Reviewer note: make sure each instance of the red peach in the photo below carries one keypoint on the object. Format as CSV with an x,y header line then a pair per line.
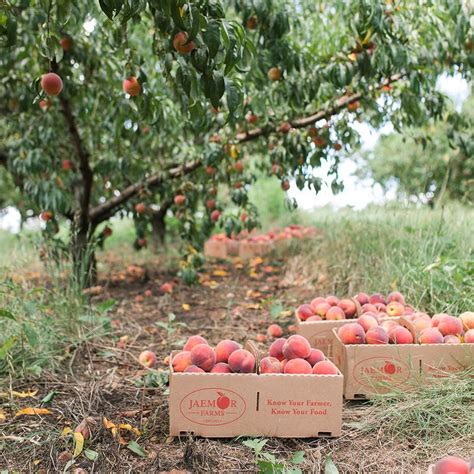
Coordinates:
x,y
298,366
321,309
203,356
325,367
261,338
131,86
396,296
387,325
332,300
395,309
430,336
467,320
315,356
419,314
296,347
275,330
316,301
436,319
179,199
352,333
451,465
140,208
450,339
270,365
194,369
221,368
369,308
409,309
348,306
147,358
362,298
181,45
181,360
283,363
304,312
225,348
421,323
367,321
215,215
376,298
381,307
242,361
335,313
51,83
314,318
376,335
193,341
469,336
450,325
400,335
274,74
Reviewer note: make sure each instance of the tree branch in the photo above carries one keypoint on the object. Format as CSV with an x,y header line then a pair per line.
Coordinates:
x,y
104,211
311,119
107,209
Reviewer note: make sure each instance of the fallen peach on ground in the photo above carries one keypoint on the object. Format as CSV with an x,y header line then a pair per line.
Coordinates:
x,y
451,465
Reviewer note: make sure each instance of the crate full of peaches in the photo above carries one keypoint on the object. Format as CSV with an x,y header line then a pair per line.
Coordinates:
x,y
229,390
317,319
377,355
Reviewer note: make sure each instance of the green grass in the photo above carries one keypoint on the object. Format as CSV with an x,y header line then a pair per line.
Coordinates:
x,y
430,416
37,324
426,254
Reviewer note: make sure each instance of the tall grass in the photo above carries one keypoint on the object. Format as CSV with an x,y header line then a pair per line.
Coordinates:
x,y
426,254
40,327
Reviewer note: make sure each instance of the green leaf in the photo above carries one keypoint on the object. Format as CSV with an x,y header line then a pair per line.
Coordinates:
x,y
234,97
91,455
298,457
4,313
7,345
49,397
136,448
31,334
105,306
212,37
330,467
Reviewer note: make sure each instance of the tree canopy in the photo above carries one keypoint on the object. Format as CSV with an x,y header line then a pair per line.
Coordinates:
x,y
218,92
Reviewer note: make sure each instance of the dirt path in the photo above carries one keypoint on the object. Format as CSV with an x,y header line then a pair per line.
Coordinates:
x,y
235,300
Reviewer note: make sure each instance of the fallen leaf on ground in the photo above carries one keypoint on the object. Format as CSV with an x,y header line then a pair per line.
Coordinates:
x,y
93,290
78,444
3,417
256,261
220,273
30,393
33,411
186,307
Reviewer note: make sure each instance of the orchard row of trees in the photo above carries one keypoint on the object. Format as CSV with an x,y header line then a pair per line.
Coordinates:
x,y
178,105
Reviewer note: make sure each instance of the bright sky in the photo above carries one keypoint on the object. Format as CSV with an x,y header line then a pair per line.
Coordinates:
x,y
357,193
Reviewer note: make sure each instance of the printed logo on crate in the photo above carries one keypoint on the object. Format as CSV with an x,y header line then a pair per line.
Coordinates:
x,y
212,406
373,370
322,338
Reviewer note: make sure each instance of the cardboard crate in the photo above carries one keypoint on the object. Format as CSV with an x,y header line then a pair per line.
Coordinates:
x,y
370,369
320,333
277,405
215,249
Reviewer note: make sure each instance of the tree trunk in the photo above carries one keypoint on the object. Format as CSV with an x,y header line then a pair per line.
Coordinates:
x,y
83,254
158,225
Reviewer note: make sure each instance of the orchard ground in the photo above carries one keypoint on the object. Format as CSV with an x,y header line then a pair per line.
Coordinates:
x,y
85,350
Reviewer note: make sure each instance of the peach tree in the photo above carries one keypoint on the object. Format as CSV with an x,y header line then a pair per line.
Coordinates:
x,y
143,107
